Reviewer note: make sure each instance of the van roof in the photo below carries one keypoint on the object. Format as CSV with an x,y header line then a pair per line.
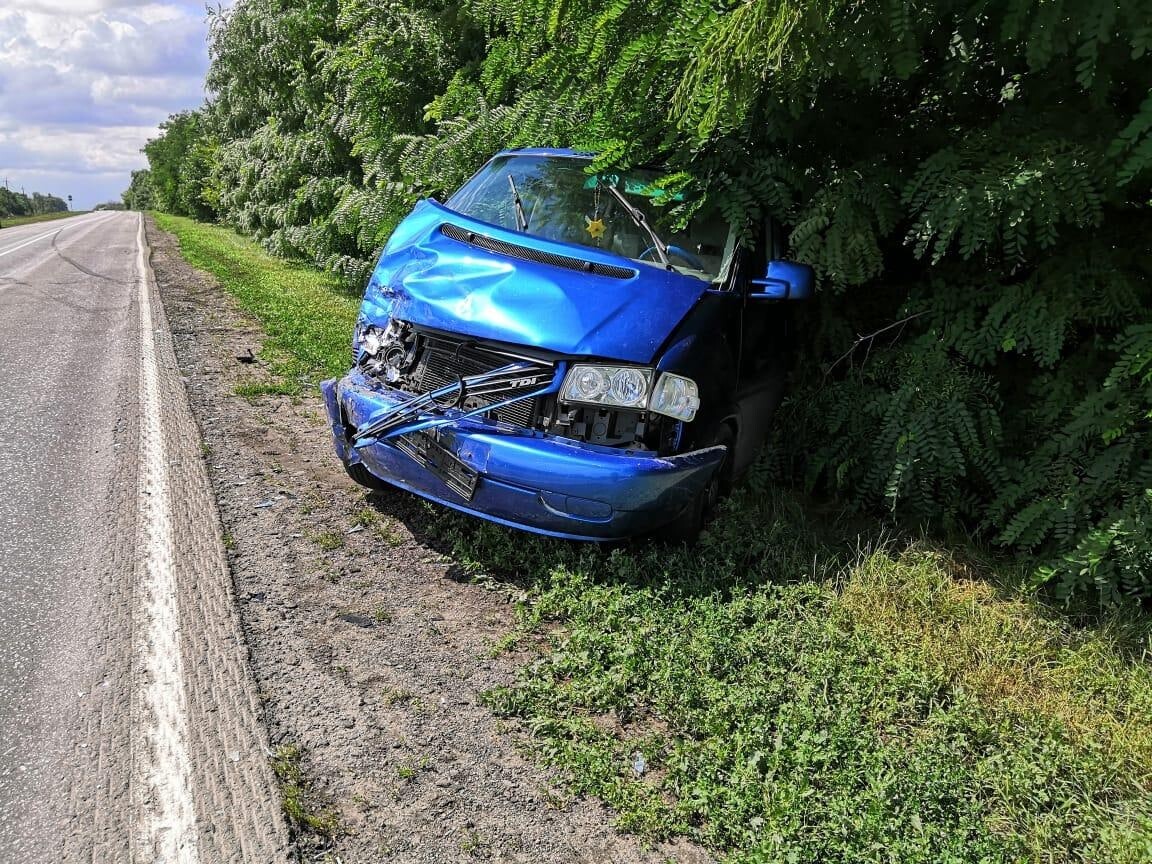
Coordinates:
x,y
563,152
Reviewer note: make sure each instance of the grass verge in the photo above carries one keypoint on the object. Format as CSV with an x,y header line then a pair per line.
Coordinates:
x,y
307,315
781,696
786,691
13,221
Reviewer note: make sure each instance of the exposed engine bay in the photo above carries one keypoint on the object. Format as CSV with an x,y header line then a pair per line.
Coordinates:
x,y
422,362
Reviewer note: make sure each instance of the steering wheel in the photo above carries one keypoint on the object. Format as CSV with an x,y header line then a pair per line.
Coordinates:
x,y
683,254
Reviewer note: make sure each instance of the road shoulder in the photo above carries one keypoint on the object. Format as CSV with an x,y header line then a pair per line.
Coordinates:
x,y
199,743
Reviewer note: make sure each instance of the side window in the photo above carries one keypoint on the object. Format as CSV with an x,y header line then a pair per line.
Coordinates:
x,y
775,241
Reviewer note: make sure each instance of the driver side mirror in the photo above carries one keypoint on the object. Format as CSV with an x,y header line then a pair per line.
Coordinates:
x,y
785,280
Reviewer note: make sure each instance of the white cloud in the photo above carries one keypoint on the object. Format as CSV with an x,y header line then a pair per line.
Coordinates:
x,y
84,83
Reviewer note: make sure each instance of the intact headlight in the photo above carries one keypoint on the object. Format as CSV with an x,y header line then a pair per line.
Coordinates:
x,y
622,386
676,396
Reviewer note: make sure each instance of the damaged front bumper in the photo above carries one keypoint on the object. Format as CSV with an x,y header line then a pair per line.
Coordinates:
x,y
523,479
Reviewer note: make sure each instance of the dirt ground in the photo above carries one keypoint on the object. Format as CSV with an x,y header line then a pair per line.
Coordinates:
x,y
369,649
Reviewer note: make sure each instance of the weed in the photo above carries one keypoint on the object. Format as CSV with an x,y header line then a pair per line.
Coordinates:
x,y
397,696
252,391
229,542
309,503
409,770
475,844
796,699
303,814
382,615
365,517
329,541
389,534
504,644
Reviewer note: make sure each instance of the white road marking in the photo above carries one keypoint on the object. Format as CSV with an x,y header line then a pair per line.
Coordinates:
x,y
52,233
168,834
12,249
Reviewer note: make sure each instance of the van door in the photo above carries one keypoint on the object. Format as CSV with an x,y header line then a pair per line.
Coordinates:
x,y
763,361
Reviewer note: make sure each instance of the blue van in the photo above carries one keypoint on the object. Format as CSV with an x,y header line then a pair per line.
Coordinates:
x,y
536,351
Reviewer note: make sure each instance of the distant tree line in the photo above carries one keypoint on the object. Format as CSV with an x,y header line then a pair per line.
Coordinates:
x,y
19,204
972,181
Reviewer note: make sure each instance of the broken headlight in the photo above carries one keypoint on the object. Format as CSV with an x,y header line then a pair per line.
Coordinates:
x,y
390,352
622,386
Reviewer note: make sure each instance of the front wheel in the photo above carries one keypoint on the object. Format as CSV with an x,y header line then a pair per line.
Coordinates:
x,y
688,525
360,474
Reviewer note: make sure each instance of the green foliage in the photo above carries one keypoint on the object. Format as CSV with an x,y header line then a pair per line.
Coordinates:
x,y
181,161
981,172
140,195
19,204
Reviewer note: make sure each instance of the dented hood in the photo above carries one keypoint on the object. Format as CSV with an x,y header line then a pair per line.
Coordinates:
x,y
449,272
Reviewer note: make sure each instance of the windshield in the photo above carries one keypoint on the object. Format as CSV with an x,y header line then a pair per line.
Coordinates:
x,y
557,199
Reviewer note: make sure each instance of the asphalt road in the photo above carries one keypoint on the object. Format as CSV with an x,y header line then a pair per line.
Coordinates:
x,y
112,596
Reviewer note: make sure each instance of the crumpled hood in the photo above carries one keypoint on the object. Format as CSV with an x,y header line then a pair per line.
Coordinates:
x,y
429,278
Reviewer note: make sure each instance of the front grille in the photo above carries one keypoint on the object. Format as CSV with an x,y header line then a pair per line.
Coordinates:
x,y
526,253
445,361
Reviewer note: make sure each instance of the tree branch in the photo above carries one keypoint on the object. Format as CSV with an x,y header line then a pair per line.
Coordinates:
x,y
860,340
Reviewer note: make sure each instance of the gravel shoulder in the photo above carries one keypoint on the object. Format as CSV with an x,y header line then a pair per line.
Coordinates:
x,y
370,649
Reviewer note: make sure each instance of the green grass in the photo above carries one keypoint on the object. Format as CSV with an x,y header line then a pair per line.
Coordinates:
x,y
307,315
252,391
13,221
799,694
304,815
329,541
797,698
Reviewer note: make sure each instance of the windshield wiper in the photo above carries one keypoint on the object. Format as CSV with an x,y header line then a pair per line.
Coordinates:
x,y
638,217
521,219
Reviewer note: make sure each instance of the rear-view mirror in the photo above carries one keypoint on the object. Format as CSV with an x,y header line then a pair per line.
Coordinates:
x,y
785,280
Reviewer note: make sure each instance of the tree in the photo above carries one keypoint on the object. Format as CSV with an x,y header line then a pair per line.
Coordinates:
x,y
48,203
140,195
181,159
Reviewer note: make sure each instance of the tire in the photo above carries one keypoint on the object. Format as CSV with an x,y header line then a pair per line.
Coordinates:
x,y
360,474
686,527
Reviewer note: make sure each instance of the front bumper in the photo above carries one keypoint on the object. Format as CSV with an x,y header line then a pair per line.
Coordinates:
x,y
528,480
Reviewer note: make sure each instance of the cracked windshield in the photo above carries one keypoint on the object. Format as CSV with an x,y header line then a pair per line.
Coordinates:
x,y
558,199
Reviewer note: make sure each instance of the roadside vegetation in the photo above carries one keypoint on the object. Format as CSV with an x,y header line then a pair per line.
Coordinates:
x,y
13,221
969,180
786,692
308,316
17,205
801,686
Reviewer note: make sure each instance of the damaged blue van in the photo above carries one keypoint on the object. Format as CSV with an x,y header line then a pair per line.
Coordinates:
x,y
536,351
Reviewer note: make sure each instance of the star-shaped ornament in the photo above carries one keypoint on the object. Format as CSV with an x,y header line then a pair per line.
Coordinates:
x,y
594,227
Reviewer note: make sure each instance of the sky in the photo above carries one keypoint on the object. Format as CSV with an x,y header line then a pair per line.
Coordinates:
x,y
85,83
